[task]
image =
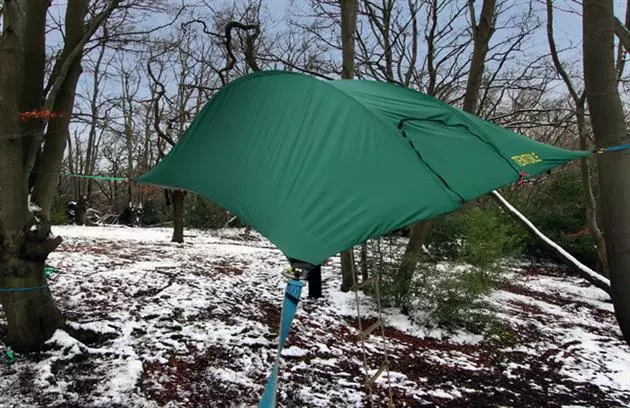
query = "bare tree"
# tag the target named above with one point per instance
(25, 238)
(579, 100)
(482, 33)
(349, 10)
(609, 128)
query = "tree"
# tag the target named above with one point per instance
(481, 35)
(579, 100)
(349, 10)
(85, 161)
(609, 128)
(28, 171)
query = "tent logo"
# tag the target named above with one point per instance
(526, 159)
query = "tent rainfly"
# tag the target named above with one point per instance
(319, 166)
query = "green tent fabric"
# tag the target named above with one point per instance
(318, 166)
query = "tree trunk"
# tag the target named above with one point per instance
(589, 197)
(178, 215)
(364, 262)
(609, 128)
(33, 316)
(579, 101)
(482, 33)
(413, 252)
(81, 211)
(349, 10)
(57, 131)
(347, 270)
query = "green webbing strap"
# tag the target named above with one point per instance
(47, 273)
(87, 176)
(10, 356)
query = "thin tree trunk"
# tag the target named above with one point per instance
(482, 33)
(579, 101)
(349, 10)
(589, 197)
(417, 237)
(347, 270)
(178, 215)
(57, 131)
(364, 261)
(609, 128)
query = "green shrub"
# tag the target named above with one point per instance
(452, 295)
(446, 295)
(155, 212)
(58, 214)
(558, 209)
(489, 237)
(445, 238)
(456, 299)
(205, 214)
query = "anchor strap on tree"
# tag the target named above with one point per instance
(612, 149)
(292, 296)
(46, 273)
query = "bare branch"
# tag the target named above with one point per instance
(622, 33)
(60, 77)
(156, 102)
(554, 54)
(249, 52)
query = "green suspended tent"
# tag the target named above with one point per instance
(319, 166)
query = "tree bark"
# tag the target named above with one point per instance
(591, 203)
(417, 237)
(349, 10)
(623, 34)
(25, 238)
(31, 316)
(178, 215)
(364, 262)
(580, 115)
(57, 132)
(482, 33)
(348, 271)
(609, 128)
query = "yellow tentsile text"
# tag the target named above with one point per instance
(526, 159)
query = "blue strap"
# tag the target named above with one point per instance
(612, 149)
(31, 289)
(617, 148)
(289, 306)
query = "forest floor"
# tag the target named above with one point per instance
(195, 325)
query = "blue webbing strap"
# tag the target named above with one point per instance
(31, 289)
(289, 306)
(612, 149)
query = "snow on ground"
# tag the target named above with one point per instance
(195, 324)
